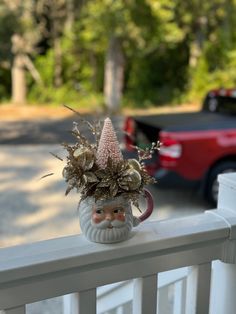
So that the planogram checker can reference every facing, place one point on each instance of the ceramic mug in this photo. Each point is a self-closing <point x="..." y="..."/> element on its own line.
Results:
<point x="110" y="221"/>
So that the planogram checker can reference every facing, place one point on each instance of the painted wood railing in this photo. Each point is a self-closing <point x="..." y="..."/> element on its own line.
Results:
<point x="43" y="270"/>
<point x="118" y="297"/>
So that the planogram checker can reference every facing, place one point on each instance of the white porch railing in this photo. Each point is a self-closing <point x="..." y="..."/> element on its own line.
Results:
<point x="118" y="297"/>
<point x="43" y="270"/>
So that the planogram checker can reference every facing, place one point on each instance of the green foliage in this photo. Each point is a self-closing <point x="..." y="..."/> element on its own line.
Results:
<point x="174" y="50"/>
<point x="216" y="65"/>
<point x="65" y="95"/>
<point x="8" y="24"/>
<point x="157" y="78"/>
<point x="5" y="84"/>
<point x="71" y="92"/>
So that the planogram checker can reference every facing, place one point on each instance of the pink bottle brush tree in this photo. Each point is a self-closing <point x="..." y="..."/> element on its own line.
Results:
<point x="108" y="146"/>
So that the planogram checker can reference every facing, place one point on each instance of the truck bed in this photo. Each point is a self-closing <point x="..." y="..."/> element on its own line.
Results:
<point x="177" y="122"/>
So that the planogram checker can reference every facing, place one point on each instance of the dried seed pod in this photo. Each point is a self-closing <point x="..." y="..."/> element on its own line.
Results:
<point x="131" y="181"/>
<point x="133" y="163"/>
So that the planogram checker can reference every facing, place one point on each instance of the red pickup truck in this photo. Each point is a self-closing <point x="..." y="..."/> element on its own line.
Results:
<point x="196" y="146"/>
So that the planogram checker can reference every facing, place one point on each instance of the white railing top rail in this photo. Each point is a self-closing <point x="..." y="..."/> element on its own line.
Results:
<point x="42" y="270"/>
<point x="70" y="264"/>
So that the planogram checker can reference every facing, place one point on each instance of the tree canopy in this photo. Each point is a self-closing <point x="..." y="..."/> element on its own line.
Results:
<point x="154" y="52"/>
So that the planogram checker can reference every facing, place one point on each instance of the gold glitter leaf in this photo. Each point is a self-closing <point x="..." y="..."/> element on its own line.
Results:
<point x="104" y="184"/>
<point x="113" y="189"/>
<point x="101" y="174"/>
<point x="84" y="179"/>
<point x="124" y="187"/>
<point x="91" y="177"/>
<point x="69" y="188"/>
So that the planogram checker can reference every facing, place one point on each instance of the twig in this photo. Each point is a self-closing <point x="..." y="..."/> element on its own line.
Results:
<point x="46" y="175"/>
<point x="54" y="155"/>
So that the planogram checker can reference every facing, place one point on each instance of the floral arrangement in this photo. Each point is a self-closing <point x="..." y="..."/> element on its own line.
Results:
<point x="99" y="170"/>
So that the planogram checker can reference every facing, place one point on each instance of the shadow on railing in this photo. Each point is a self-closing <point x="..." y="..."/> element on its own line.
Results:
<point x="72" y="265"/>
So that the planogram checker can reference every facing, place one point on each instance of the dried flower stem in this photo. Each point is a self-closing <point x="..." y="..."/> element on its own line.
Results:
<point x="95" y="130"/>
<point x="47" y="175"/>
<point x="54" y="155"/>
<point x="144" y="154"/>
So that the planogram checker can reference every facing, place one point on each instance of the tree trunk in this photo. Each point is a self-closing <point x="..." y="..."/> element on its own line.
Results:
<point x="114" y="75"/>
<point x="195" y="53"/>
<point x="18" y="80"/>
<point x="94" y="64"/>
<point x="58" y="62"/>
<point x="198" y="42"/>
<point x="70" y="8"/>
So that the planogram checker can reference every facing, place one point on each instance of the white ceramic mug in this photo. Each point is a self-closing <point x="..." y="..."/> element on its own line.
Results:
<point x="110" y="221"/>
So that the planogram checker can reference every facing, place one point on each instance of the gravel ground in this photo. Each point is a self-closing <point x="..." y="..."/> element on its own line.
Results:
<point x="33" y="209"/>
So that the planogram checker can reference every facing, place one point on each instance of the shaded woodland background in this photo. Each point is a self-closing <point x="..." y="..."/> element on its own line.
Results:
<point x="135" y="53"/>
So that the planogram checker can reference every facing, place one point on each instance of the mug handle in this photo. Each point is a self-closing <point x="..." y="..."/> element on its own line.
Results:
<point x="150" y="205"/>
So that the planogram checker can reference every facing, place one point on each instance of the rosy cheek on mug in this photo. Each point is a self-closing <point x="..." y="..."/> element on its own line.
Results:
<point x="97" y="218"/>
<point x="120" y="217"/>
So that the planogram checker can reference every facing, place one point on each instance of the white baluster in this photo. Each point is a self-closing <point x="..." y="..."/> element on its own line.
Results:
<point x="16" y="310"/>
<point x="198" y="289"/>
<point x="120" y="310"/>
<point x="83" y="302"/>
<point x="183" y="295"/>
<point x="145" y="295"/>
<point x="164" y="306"/>
<point x="178" y="298"/>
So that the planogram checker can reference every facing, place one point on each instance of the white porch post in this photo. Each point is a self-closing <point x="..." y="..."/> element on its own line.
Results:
<point x="223" y="299"/>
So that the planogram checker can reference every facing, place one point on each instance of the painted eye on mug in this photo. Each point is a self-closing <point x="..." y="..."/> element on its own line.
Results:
<point x="99" y="211"/>
<point x="118" y="210"/>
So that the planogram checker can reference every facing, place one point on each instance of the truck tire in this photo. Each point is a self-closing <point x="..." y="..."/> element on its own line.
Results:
<point x="212" y="186"/>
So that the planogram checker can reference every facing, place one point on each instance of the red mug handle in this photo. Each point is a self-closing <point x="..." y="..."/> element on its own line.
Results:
<point x="150" y="205"/>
